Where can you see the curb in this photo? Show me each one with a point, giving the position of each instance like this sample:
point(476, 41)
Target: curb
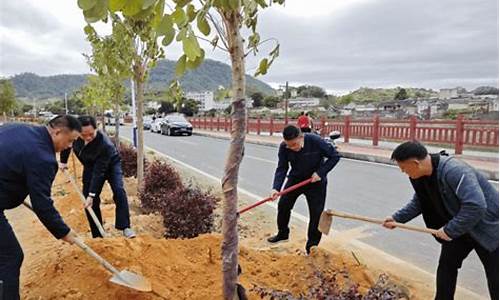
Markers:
point(491, 175)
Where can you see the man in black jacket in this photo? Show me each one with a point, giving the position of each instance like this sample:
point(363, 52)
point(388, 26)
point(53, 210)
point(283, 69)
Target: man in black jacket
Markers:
point(101, 162)
point(309, 157)
point(28, 166)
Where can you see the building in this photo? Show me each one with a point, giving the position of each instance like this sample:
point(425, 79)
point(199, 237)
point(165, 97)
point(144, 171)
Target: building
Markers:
point(281, 92)
point(223, 104)
point(205, 99)
point(458, 92)
point(303, 102)
point(458, 104)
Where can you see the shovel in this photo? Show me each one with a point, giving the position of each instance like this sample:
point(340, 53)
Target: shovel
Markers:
point(285, 191)
point(89, 209)
point(325, 222)
point(125, 278)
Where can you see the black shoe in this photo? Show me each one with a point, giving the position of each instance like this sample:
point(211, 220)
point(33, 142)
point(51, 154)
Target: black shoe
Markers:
point(308, 249)
point(279, 238)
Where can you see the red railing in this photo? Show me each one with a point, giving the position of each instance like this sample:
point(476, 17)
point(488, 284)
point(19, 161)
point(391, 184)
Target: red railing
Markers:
point(457, 132)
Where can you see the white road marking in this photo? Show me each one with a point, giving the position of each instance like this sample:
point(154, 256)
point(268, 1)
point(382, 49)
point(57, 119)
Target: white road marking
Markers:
point(260, 159)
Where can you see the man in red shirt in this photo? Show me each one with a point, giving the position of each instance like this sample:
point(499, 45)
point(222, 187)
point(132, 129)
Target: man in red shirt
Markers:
point(303, 122)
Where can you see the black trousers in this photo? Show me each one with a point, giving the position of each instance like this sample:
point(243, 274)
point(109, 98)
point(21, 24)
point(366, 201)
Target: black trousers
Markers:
point(305, 130)
point(452, 255)
point(11, 259)
point(114, 177)
point(315, 195)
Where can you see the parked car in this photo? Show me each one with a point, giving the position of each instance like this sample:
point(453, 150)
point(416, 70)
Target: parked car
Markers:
point(176, 125)
point(112, 121)
point(147, 122)
point(156, 125)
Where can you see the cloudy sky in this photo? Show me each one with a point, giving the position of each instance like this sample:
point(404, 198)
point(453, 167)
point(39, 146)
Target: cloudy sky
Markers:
point(337, 44)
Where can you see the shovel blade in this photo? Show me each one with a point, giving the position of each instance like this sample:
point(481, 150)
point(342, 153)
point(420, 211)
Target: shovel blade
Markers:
point(132, 280)
point(325, 222)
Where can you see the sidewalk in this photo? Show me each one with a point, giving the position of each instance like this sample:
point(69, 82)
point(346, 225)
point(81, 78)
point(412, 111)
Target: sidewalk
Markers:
point(380, 154)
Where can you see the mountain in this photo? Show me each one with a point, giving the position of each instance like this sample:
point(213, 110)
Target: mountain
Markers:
point(365, 94)
point(208, 76)
point(485, 90)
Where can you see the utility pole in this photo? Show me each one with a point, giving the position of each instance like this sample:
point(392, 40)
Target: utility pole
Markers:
point(286, 103)
point(134, 113)
point(66, 102)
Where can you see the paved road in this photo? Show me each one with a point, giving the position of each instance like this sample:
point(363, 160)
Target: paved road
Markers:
point(371, 189)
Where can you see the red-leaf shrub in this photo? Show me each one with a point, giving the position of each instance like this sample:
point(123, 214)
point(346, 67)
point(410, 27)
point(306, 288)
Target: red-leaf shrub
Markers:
point(189, 214)
point(187, 210)
point(128, 157)
point(161, 183)
point(328, 288)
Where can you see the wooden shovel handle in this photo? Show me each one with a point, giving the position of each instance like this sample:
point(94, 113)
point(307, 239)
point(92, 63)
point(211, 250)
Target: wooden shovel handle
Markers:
point(380, 221)
point(89, 209)
point(96, 256)
point(283, 192)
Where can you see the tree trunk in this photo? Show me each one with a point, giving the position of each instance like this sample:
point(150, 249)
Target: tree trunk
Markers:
point(234, 156)
point(139, 82)
point(117, 123)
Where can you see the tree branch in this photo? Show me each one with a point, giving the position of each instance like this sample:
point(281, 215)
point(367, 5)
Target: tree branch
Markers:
point(261, 43)
point(220, 31)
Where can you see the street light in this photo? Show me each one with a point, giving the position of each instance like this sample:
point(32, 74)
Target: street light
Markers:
point(286, 102)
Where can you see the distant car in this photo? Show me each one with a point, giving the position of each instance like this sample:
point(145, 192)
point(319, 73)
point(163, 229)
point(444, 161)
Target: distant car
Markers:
point(147, 123)
point(112, 121)
point(176, 125)
point(156, 125)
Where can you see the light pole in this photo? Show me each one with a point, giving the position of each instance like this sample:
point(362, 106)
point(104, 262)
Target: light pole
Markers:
point(134, 114)
point(66, 102)
point(286, 101)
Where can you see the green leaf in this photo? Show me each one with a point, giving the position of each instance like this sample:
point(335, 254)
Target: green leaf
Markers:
point(262, 3)
point(116, 5)
point(179, 16)
point(132, 7)
point(180, 68)
point(158, 13)
point(143, 14)
point(233, 4)
point(253, 40)
point(221, 4)
point(191, 47)
point(169, 37)
point(98, 12)
point(148, 3)
point(181, 35)
point(190, 64)
point(181, 3)
point(86, 4)
point(203, 25)
point(190, 12)
point(88, 30)
point(165, 25)
point(262, 67)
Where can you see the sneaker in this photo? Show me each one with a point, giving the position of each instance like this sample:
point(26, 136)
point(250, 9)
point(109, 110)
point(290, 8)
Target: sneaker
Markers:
point(279, 238)
point(128, 233)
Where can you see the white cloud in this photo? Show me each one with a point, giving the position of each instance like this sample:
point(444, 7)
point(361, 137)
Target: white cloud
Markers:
point(337, 44)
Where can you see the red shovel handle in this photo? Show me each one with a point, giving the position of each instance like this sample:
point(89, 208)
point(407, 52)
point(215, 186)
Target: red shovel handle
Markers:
point(285, 191)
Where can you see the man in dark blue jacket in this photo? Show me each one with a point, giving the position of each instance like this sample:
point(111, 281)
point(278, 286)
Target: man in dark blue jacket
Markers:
point(457, 200)
point(28, 166)
point(101, 162)
point(309, 157)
